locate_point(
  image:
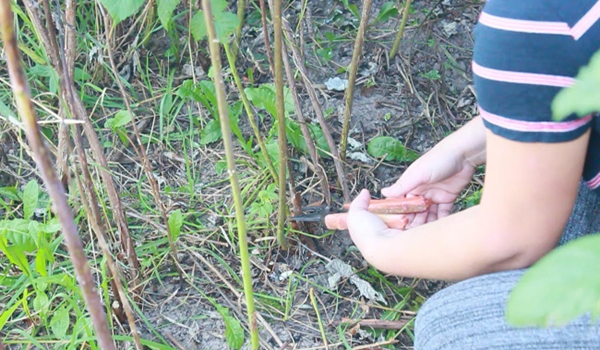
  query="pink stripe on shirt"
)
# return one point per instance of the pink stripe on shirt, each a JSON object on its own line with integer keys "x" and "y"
{"x": 522, "y": 78}
{"x": 595, "y": 182}
{"x": 586, "y": 22}
{"x": 524, "y": 26}
{"x": 520, "y": 125}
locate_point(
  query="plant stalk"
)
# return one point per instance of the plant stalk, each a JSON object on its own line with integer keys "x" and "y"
{"x": 263, "y": 18}
{"x": 278, "y": 72}
{"x": 231, "y": 170}
{"x": 54, "y": 186}
{"x": 246, "y": 103}
{"x": 241, "y": 7}
{"x": 401, "y": 29}
{"x": 358, "y": 43}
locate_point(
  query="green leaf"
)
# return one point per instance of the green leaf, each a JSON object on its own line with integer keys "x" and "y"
{"x": 382, "y": 145}
{"x": 31, "y": 194}
{"x": 165, "y": 10}
{"x": 121, "y": 9}
{"x": 225, "y": 22}
{"x": 264, "y": 97}
{"x": 211, "y": 132}
{"x": 198, "y": 26}
{"x": 41, "y": 302}
{"x": 473, "y": 199}
{"x": 561, "y": 286}
{"x": 120, "y": 119}
{"x": 15, "y": 255}
{"x": 6, "y": 314}
{"x": 234, "y": 333}
{"x": 6, "y": 112}
{"x": 40, "y": 263}
{"x": 60, "y": 323}
{"x": 387, "y": 10}
{"x": 19, "y": 233}
{"x": 220, "y": 167}
{"x": 9, "y": 192}
{"x": 175, "y": 223}
{"x": 583, "y": 97}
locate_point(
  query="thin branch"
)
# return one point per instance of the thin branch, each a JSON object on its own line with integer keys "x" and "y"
{"x": 278, "y": 71}
{"x": 349, "y": 97}
{"x": 246, "y": 103}
{"x": 231, "y": 170}
{"x": 401, "y": 29}
{"x": 263, "y": 17}
{"x": 237, "y": 41}
{"x": 139, "y": 148}
{"x": 55, "y": 188}
{"x": 312, "y": 94}
{"x": 305, "y": 132}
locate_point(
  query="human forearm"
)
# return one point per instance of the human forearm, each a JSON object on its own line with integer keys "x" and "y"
{"x": 469, "y": 141}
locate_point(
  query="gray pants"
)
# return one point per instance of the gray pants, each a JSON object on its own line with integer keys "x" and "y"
{"x": 469, "y": 315}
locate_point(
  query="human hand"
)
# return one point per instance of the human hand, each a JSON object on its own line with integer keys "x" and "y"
{"x": 439, "y": 175}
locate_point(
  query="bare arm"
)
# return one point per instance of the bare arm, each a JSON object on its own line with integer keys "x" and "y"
{"x": 529, "y": 192}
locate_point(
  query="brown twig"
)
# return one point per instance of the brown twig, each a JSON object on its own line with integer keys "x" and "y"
{"x": 373, "y": 323}
{"x": 312, "y": 94}
{"x": 55, "y": 188}
{"x": 77, "y": 109}
{"x": 349, "y": 97}
{"x": 263, "y": 17}
{"x": 139, "y": 148}
{"x": 305, "y": 132}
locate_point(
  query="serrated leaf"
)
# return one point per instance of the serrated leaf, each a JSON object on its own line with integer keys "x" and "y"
{"x": 31, "y": 193}
{"x": 395, "y": 150}
{"x": 165, "y": 10}
{"x": 17, "y": 232}
{"x": 175, "y": 223}
{"x": 234, "y": 333}
{"x": 225, "y": 25}
{"x": 60, "y": 323}
{"x": 561, "y": 286}
{"x": 211, "y": 132}
{"x": 583, "y": 97}
{"x": 264, "y": 97}
{"x": 121, "y": 9}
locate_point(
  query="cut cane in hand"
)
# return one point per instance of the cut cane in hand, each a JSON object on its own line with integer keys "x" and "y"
{"x": 338, "y": 221}
{"x": 410, "y": 205}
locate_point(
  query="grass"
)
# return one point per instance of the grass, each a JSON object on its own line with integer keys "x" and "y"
{"x": 177, "y": 118}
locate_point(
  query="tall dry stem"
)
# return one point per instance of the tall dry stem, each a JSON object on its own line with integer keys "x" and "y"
{"x": 231, "y": 170}
{"x": 54, "y": 186}
{"x": 349, "y": 97}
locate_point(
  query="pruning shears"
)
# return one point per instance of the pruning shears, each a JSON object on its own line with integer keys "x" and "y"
{"x": 390, "y": 210}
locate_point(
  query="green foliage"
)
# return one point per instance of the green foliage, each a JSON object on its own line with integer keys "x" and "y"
{"x": 165, "y": 10}
{"x": 120, "y": 10}
{"x": 583, "y": 97}
{"x": 392, "y": 149}
{"x": 175, "y": 223}
{"x": 264, "y": 97}
{"x": 211, "y": 132}
{"x": 473, "y": 199}
{"x": 431, "y": 75}
{"x": 234, "y": 333}
{"x": 387, "y": 10}
{"x": 562, "y": 285}
{"x": 31, "y": 194}
{"x": 225, "y": 22}
{"x": 120, "y": 119}
{"x": 264, "y": 205}
{"x": 60, "y": 323}
{"x": 352, "y": 8}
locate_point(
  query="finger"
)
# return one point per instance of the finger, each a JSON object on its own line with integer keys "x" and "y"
{"x": 360, "y": 221}
{"x": 420, "y": 219}
{"x": 444, "y": 209}
{"x": 339, "y": 221}
{"x": 433, "y": 210}
{"x": 361, "y": 202}
{"x": 406, "y": 183}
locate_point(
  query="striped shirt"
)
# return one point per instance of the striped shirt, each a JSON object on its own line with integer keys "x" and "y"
{"x": 525, "y": 52}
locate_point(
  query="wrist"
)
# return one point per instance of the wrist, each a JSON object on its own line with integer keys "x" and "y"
{"x": 470, "y": 142}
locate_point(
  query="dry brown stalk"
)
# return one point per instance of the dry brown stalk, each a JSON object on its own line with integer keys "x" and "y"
{"x": 55, "y": 188}
{"x": 312, "y": 94}
{"x": 349, "y": 97}
{"x": 139, "y": 148}
{"x": 75, "y": 105}
{"x": 305, "y": 132}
